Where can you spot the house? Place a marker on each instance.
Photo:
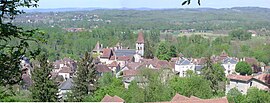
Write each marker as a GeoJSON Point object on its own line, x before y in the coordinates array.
{"type": "Point", "coordinates": [229, 65]}
{"type": "Point", "coordinates": [183, 99]}
{"type": "Point", "coordinates": [253, 33]}
{"type": "Point", "coordinates": [182, 66]}
{"type": "Point", "coordinates": [243, 83]}
{"type": "Point", "coordinates": [220, 58]}
{"type": "Point", "coordinates": [109, 99]}
{"type": "Point", "coordinates": [156, 63]}
{"type": "Point", "coordinates": [66, 72]}
{"type": "Point", "coordinates": [106, 55]}
{"type": "Point", "coordinates": [65, 62]}
{"type": "Point", "coordinates": [113, 66]}
{"type": "Point", "coordinates": [129, 75]}
{"type": "Point", "coordinates": [101, 69]}
{"type": "Point", "coordinates": [199, 64]}
{"type": "Point", "coordinates": [122, 60]}
{"type": "Point", "coordinates": [65, 87]}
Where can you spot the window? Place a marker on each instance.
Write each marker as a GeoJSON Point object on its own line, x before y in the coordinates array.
{"type": "Point", "coordinates": [250, 84]}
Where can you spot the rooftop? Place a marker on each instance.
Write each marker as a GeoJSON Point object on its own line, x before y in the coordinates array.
{"type": "Point", "coordinates": [108, 98]}
{"type": "Point", "coordinates": [125, 52]}
{"type": "Point", "coordinates": [239, 77]}
{"type": "Point", "coordinates": [140, 38]}
{"type": "Point", "coordinates": [102, 68]}
{"type": "Point", "coordinates": [67, 85]}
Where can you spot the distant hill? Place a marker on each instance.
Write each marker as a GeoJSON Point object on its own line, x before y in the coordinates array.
{"type": "Point", "coordinates": [253, 18]}
{"type": "Point", "coordinates": [144, 9]}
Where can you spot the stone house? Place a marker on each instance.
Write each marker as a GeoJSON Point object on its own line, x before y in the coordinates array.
{"type": "Point", "coordinates": [243, 83]}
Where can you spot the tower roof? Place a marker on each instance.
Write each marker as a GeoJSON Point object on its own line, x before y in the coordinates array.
{"type": "Point", "coordinates": [140, 37]}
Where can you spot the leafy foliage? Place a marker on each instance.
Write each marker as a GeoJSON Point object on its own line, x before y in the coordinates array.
{"type": "Point", "coordinates": [240, 34]}
{"type": "Point", "coordinates": [243, 68]}
{"type": "Point", "coordinates": [254, 95]}
{"type": "Point", "coordinates": [44, 89]}
{"type": "Point", "coordinates": [107, 84]}
{"type": "Point", "coordinates": [84, 82]}
{"type": "Point", "coordinates": [156, 85]}
{"type": "Point", "coordinates": [235, 96]}
{"type": "Point", "coordinates": [134, 94]}
{"type": "Point", "coordinates": [215, 74]}
{"type": "Point", "coordinates": [191, 86]}
{"type": "Point", "coordinates": [163, 52]}
{"type": "Point", "coordinates": [10, 51]}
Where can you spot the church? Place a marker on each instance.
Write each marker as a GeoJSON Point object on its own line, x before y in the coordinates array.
{"type": "Point", "coordinates": [120, 54]}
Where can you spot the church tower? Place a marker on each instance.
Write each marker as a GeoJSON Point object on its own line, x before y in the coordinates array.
{"type": "Point", "coordinates": [140, 44]}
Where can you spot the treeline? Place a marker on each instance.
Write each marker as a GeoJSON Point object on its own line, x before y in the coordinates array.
{"type": "Point", "coordinates": [239, 43]}
{"type": "Point", "coordinates": [169, 19]}
{"type": "Point", "coordinates": [66, 44]}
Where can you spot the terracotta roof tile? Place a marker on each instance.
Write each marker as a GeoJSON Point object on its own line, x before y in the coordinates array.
{"type": "Point", "coordinates": [239, 77]}
{"type": "Point", "coordinates": [117, 99]}
{"type": "Point", "coordinates": [124, 58]}
{"type": "Point", "coordinates": [108, 98]}
{"type": "Point", "coordinates": [113, 64]}
{"type": "Point", "coordinates": [264, 78]}
{"type": "Point", "coordinates": [194, 98]}
{"type": "Point", "coordinates": [140, 38]}
{"type": "Point", "coordinates": [130, 73]}
{"type": "Point", "coordinates": [251, 61]}
{"type": "Point", "coordinates": [162, 64]}
{"type": "Point", "coordinates": [106, 53]}
{"type": "Point", "coordinates": [134, 65]}
{"type": "Point", "coordinates": [102, 68]}
{"type": "Point", "coordinates": [65, 70]}
{"type": "Point", "coordinates": [179, 97]}
{"type": "Point", "coordinates": [182, 99]}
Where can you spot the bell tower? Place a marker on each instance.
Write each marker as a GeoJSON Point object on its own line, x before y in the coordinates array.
{"type": "Point", "coordinates": [140, 44]}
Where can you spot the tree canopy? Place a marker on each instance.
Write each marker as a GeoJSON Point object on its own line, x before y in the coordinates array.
{"type": "Point", "coordinates": [243, 68]}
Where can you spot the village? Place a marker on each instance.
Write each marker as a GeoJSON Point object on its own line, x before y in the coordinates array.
{"type": "Point", "coordinates": [127, 64]}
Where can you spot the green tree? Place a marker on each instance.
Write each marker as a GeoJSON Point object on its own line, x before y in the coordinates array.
{"type": "Point", "coordinates": [215, 74]}
{"type": "Point", "coordinates": [173, 51]}
{"type": "Point", "coordinates": [44, 89]}
{"type": "Point", "coordinates": [254, 95]}
{"type": "Point", "coordinates": [107, 84]}
{"type": "Point", "coordinates": [235, 96]}
{"type": "Point", "coordinates": [156, 85]}
{"type": "Point", "coordinates": [134, 94]}
{"type": "Point", "coordinates": [191, 86]}
{"type": "Point", "coordinates": [148, 52]}
{"type": "Point", "coordinates": [14, 41]}
{"type": "Point", "coordinates": [243, 68]}
{"type": "Point", "coordinates": [162, 52]}
{"type": "Point", "coordinates": [84, 81]}
{"type": "Point", "coordinates": [240, 34]}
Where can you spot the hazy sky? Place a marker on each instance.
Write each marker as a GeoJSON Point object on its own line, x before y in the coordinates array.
{"type": "Point", "coordinates": [150, 3]}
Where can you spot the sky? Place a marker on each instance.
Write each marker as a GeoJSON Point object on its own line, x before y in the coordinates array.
{"type": "Point", "coordinates": [45, 4]}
